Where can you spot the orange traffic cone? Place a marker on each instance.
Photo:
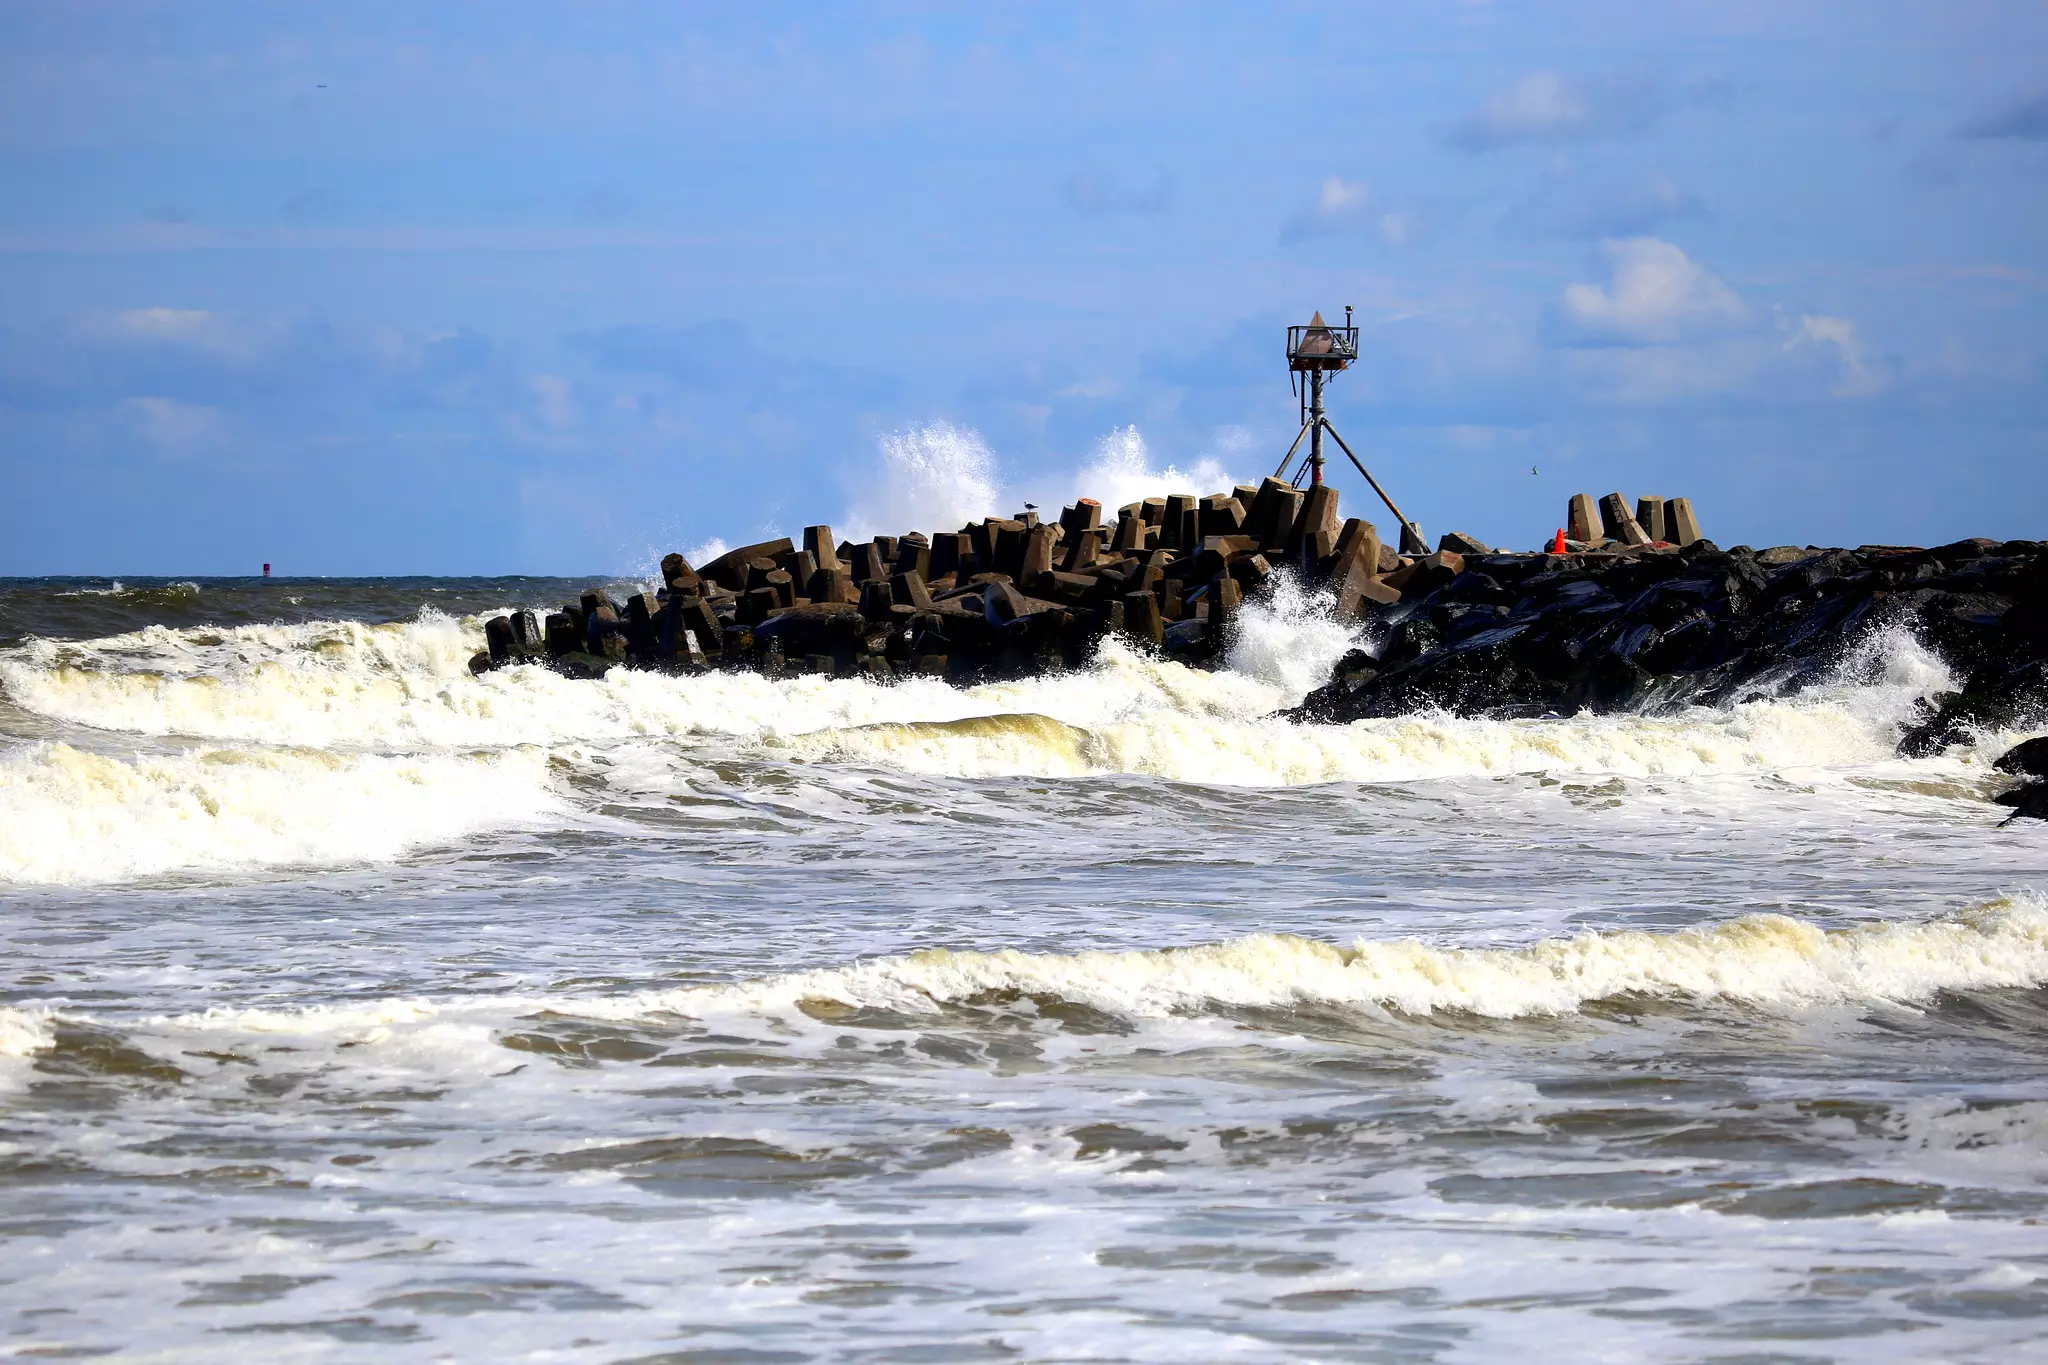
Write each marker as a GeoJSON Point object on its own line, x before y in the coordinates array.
{"type": "Point", "coordinates": [1557, 546]}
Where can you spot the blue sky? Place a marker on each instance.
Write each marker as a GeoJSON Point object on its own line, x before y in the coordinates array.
{"type": "Point", "coordinates": [551, 288]}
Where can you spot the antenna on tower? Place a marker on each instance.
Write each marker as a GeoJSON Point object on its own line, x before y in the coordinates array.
{"type": "Point", "coordinates": [1312, 352]}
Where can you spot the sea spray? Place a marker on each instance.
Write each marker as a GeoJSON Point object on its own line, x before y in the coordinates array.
{"type": "Point", "coordinates": [936, 476]}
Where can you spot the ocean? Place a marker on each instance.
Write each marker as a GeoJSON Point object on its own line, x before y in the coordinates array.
{"type": "Point", "coordinates": [360, 1009]}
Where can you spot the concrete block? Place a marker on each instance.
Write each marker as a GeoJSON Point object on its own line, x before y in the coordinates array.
{"type": "Point", "coordinates": [527, 634]}
{"type": "Point", "coordinates": [833, 585]}
{"type": "Point", "coordinates": [1313, 551]}
{"type": "Point", "coordinates": [643, 624]}
{"type": "Point", "coordinates": [914, 553]}
{"type": "Point", "coordinates": [1081, 554]}
{"type": "Point", "coordinates": [1084, 516]}
{"type": "Point", "coordinates": [1258, 516]}
{"type": "Point", "coordinates": [1153, 510]}
{"type": "Point", "coordinates": [1683, 525]}
{"type": "Point", "coordinates": [1130, 528]}
{"type": "Point", "coordinates": [1357, 596]}
{"type": "Point", "coordinates": [1650, 516]}
{"type": "Point", "coordinates": [949, 552]}
{"type": "Point", "coordinates": [1426, 574]}
{"type": "Point", "coordinates": [908, 588]}
{"type": "Point", "coordinates": [1287, 507]}
{"type": "Point", "coordinates": [498, 638]}
{"type": "Point", "coordinates": [1007, 545]}
{"type": "Point", "coordinates": [1179, 506]}
{"type": "Point", "coordinates": [1219, 516]}
{"type": "Point", "coordinates": [563, 635]}
{"type": "Point", "coordinates": [1582, 518]}
{"type": "Point", "coordinates": [1002, 604]}
{"type": "Point", "coordinates": [1358, 552]}
{"type": "Point", "coordinates": [867, 563]}
{"type": "Point", "coordinates": [1224, 597]}
{"type": "Point", "coordinates": [1459, 543]}
{"type": "Point", "coordinates": [1142, 621]}
{"type": "Point", "coordinates": [823, 550]}
{"type": "Point", "coordinates": [1250, 570]}
{"type": "Point", "coordinates": [1039, 545]}
{"type": "Point", "coordinates": [1318, 514]}
{"type": "Point", "coordinates": [1619, 523]}
{"type": "Point", "coordinates": [729, 570]}
{"type": "Point", "coordinates": [877, 595]}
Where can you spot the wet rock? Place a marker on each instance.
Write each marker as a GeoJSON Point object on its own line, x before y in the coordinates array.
{"type": "Point", "coordinates": [2027, 759]}
{"type": "Point", "coordinates": [1648, 629]}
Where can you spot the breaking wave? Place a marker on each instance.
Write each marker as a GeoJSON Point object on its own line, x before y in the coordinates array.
{"type": "Point", "coordinates": [68, 816]}
{"type": "Point", "coordinates": [1769, 962]}
{"type": "Point", "coordinates": [1765, 960]}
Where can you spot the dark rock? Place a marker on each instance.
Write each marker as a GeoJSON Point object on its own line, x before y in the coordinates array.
{"type": "Point", "coordinates": [2026, 759]}
{"type": "Point", "coordinates": [2029, 801]}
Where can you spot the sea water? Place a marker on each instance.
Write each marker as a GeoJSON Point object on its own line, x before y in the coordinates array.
{"type": "Point", "coordinates": [360, 1009]}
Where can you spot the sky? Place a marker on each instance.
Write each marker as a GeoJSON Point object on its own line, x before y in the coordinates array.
{"type": "Point", "coordinates": [554, 288]}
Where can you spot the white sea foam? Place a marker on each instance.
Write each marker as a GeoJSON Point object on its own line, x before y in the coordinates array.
{"type": "Point", "coordinates": [406, 687]}
{"type": "Point", "coordinates": [68, 816]}
{"type": "Point", "coordinates": [1765, 960]}
{"type": "Point", "coordinates": [1770, 962]}
{"type": "Point", "coordinates": [23, 1033]}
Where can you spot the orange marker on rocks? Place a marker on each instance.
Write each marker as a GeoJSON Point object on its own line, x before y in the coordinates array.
{"type": "Point", "coordinates": [1557, 546]}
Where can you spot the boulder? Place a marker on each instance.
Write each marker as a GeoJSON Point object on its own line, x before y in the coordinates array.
{"type": "Point", "coordinates": [2026, 759]}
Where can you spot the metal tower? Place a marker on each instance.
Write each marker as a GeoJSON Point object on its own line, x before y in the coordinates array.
{"type": "Point", "coordinates": [1312, 352]}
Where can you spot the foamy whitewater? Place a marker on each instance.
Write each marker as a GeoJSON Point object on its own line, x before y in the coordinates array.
{"type": "Point", "coordinates": [361, 1009]}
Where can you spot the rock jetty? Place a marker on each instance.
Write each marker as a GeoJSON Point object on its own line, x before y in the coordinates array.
{"type": "Point", "coordinates": [1630, 608]}
{"type": "Point", "coordinates": [1615, 624]}
{"type": "Point", "coordinates": [1005, 597]}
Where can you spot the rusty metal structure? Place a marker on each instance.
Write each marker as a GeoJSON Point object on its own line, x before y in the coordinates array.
{"type": "Point", "coordinates": [1314, 351]}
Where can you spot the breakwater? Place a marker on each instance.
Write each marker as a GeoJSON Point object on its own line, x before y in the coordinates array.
{"type": "Point", "coordinates": [1644, 628]}
{"type": "Point", "coordinates": [1629, 609]}
{"type": "Point", "coordinates": [1005, 597]}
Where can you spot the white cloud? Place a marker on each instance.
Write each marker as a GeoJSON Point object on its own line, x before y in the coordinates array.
{"type": "Point", "coordinates": [1859, 377]}
{"type": "Point", "coordinates": [1549, 107]}
{"type": "Point", "coordinates": [166, 324]}
{"type": "Point", "coordinates": [173, 427]}
{"type": "Point", "coordinates": [1348, 207]}
{"type": "Point", "coordinates": [1656, 295]}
